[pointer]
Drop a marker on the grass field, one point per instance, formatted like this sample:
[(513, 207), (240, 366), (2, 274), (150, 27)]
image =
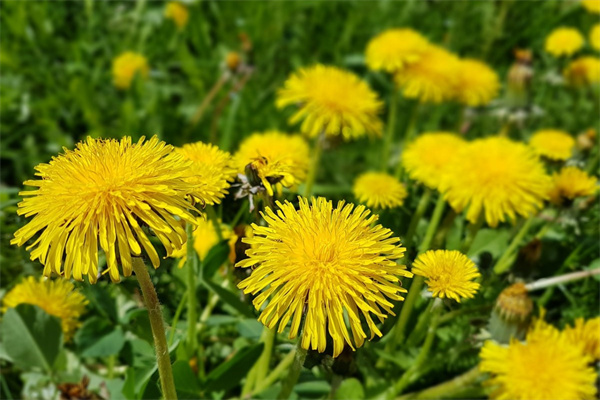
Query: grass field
[(217, 79)]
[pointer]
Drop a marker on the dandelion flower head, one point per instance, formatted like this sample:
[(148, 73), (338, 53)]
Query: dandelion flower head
[(58, 298), (126, 66), (595, 37), (546, 366), (553, 144), (392, 49), (428, 156), (478, 84), (103, 193), (583, 71), (431, 79), (211, 172), (178, 13), (564, 42), (205, 238), (278, 159), (325, 263), (586, 334), (570, 183), (331, 101), (379, 190), (497, 177), (592, 6), (449, 273)]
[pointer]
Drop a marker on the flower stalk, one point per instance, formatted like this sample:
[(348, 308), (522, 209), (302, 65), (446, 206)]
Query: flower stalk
[(293, 373), (389, 134), (191, 267), (505, 261), (158, 329), (314, 165)]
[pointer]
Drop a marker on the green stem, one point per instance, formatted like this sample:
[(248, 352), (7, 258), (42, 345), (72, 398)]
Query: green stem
[(417, 333), (178, 312), (276, 373), (111, 366), (405, 311), (414, 221), (504, 262), (293, 373), (158, 329), (440, 236), (414, 370), (472, 231), (314, 165), (389, 134), (212, 215), (262, 365), (191, 267), (449, 388), (433, 224)]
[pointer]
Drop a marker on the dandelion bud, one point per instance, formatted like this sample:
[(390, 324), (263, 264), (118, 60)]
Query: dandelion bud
[(233, 61), (511, 314)]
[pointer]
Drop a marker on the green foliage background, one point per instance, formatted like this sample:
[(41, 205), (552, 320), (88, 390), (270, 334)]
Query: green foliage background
[(56, 89)]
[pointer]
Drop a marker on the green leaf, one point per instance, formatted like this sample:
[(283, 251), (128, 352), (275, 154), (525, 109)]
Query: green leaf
[(230, 373), (250, 328), (494, 241), (102, 301), (186, 382), (229, 298), (214, 259), (31, 337), (312, 389), (350, 389), (97, 337)]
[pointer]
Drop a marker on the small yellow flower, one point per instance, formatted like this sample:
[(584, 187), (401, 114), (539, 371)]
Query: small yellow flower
[(587, 335), (553, 144), (477, 85), (546, 366), (427, 158), (178, 13), (433, 78), (233, 60), (58, 298), (564, 42), (205, 238), (379, 190), (326, 266), (570, 183), (278, 159), (497, 177), (212, 171), (332, 101), (449, 273), (391, 50), (592, 6), (102, 193), (583, 71), (595, 36), (126, 66)]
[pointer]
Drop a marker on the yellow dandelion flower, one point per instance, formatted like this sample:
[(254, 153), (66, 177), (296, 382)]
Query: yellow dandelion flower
[(570, 183), (546, 366), (583, 71), (564, 42), (585, 334), (331, 101), (553, 144), (178, 13), (391, 50), (429, 155), (212, 171), (58, 298), (592, 6), (433, 78), (497, 177), (379, 190), (126, 66), (278, 159), (103, 192), (325, 264), (449, 273), (595, 36), (205, 238), (477, 85)]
